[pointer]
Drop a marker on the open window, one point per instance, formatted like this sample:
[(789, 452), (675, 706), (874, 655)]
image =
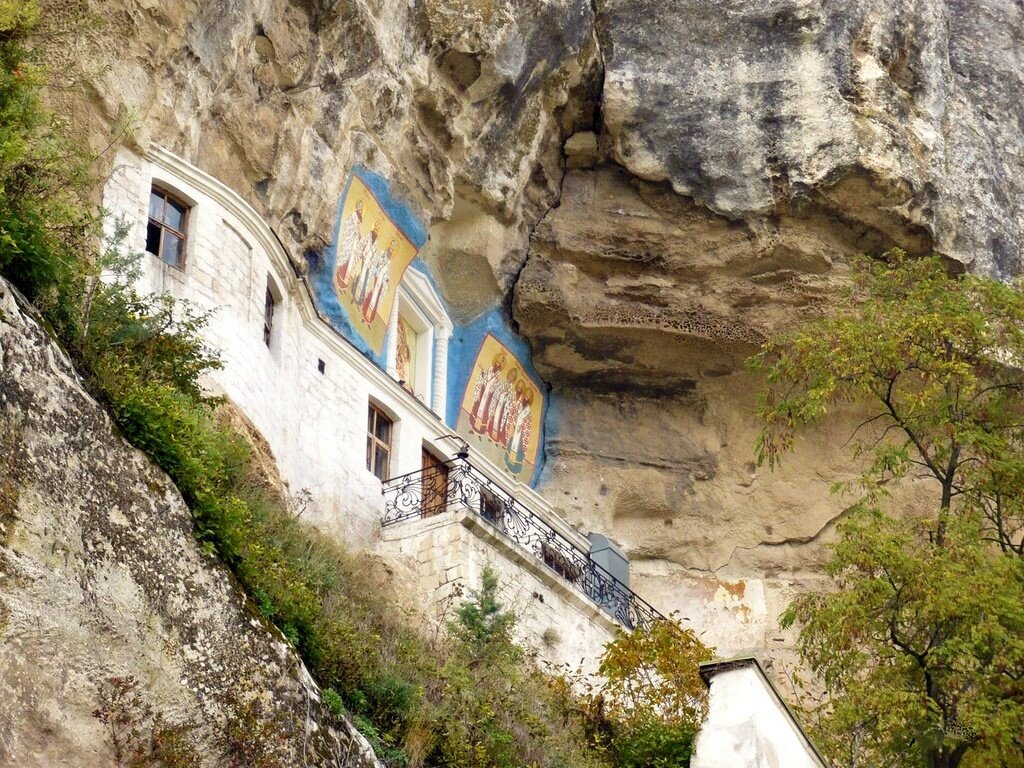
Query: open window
[(268, 316), (272, 300), (379, 432), (167, 227)]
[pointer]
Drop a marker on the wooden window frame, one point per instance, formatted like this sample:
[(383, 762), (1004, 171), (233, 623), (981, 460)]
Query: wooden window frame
[(163, 225), (373, 442), (269, 304)]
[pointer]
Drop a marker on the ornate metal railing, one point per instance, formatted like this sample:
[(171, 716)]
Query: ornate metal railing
[(458, 485)]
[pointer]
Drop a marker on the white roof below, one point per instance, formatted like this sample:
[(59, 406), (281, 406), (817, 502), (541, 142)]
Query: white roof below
[(748, 724)]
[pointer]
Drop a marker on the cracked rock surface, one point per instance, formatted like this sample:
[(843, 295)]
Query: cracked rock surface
[(100, 576)]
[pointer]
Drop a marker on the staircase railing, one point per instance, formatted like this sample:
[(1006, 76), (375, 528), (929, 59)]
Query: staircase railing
[(458, 485)]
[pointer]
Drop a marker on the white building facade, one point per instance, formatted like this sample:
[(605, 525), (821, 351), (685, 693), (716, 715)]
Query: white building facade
[(748, 723)]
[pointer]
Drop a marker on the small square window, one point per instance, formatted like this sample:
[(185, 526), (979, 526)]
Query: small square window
[(165, 230)]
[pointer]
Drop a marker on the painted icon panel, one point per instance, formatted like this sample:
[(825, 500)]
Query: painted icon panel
[(501, 410), (405, 355), (371, 256)]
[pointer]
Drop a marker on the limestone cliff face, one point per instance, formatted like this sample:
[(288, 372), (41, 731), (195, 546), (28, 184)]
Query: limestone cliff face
[(100, 576), (652, 185), (744, 150), (459, 102)]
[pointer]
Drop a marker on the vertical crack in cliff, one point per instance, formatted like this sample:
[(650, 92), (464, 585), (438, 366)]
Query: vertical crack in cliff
[(591, 88)]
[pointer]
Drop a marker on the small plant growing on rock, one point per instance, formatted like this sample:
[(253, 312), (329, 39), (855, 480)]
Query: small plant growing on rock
[(258, 736), (139, 736), (333, 702)]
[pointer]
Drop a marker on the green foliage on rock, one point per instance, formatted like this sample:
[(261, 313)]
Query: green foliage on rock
[(921, 643), (44, 227)]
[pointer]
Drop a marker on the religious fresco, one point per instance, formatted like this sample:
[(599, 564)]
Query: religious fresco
[(494, 397), (356, 279), (405, 354), (502, 409), (371, 258)]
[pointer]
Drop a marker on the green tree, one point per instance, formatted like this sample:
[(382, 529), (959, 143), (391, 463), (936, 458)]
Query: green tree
[(482, 623), (44, 226), (494, 707), (650, 701), (921, 644)]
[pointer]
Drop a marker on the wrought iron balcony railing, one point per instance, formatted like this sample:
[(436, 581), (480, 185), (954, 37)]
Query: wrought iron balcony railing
[(458, 485)]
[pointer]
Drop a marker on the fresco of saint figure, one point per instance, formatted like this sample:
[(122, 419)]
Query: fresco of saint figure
[(487, 383), (502, 409), (519, 441), (366, 266), (378, 283), (404, 362), (350, 248), (374, 245), (512, 412), (505, 392)]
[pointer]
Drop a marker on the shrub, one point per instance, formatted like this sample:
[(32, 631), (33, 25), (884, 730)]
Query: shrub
[(140, 737), (651, 701), (333, 702), (44, 227)]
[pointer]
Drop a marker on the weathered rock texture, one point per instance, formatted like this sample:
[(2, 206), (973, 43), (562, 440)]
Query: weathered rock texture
[(723, 160), (758, 107), (100, 576), (744, 150), (458, 102)]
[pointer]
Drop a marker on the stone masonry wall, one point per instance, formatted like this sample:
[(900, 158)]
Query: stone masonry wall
[(448, 554)]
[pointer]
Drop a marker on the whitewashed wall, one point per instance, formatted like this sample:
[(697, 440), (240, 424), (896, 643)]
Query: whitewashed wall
[(748, 726), (314, 422)]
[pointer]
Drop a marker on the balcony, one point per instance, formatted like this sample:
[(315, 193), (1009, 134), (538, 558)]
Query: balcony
[(458, 486)]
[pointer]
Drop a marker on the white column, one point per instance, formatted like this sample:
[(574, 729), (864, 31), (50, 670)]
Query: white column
[(440, 389), (392, 349)]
